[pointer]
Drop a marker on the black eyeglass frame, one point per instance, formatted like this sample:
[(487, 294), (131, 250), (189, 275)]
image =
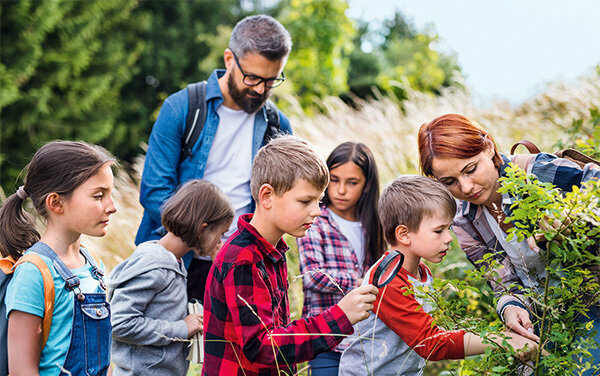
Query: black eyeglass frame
[(276, 81)]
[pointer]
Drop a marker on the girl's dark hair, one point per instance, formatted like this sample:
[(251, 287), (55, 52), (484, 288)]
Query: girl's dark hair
[(195, 203), (58, 166), (366, 208)]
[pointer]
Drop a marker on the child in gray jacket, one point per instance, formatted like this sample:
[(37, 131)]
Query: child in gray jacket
[(147, 292)]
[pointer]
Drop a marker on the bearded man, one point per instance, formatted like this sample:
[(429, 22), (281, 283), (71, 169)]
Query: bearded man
[(234, 130)]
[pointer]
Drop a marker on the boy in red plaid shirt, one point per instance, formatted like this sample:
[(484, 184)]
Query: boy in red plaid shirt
[(246, 309)]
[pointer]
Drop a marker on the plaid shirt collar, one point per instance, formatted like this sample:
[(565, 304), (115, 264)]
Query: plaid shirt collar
[(274, 253)]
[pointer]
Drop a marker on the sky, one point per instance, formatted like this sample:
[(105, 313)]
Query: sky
[(508, 49)]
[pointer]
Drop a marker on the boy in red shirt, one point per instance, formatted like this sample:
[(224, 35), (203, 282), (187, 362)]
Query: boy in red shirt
[(246, 309), (416, 213)]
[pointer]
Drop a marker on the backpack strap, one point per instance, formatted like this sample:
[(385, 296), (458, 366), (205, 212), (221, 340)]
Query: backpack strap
[(71, 280), (48, 291), (571, 154), (273, 122), (195, 119), (577, 156), (6, 264), (528, 144)]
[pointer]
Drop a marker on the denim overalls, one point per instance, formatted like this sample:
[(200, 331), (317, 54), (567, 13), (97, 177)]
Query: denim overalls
[(89, 352)]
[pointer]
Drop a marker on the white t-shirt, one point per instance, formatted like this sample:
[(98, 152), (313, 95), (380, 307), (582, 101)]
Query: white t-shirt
[(354, 233), (229, 163)]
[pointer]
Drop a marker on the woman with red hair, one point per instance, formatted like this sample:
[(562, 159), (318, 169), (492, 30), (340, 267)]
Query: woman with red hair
[(456, 151)]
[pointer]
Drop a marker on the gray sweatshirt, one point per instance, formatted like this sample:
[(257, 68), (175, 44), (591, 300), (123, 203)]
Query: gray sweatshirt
[(148, 298)]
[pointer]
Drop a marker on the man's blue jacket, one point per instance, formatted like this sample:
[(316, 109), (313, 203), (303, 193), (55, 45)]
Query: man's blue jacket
[(163, 169)]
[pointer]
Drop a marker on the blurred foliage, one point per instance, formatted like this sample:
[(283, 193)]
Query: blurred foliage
[(99, 70), (400, 57), (183, 42), (322, 35), (584, 134), (63, 64)]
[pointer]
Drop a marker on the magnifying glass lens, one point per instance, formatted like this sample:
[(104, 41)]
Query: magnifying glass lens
[(389, 272), (388, 268)]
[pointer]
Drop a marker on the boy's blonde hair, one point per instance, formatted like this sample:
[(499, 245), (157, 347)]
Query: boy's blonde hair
[(408, 199), (283, 162)]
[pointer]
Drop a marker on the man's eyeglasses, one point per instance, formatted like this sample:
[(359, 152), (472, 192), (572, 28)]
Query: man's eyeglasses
[(252, 80)]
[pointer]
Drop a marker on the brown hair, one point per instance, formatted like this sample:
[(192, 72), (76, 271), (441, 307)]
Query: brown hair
[(366, 207), (452, 136), (195, 203), (408, 199), (58, 166), (284, 161)]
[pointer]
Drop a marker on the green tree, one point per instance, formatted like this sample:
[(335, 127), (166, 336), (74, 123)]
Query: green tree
[(184, 42), (364, 67), (401, 57), (321, 33), (62, 66)]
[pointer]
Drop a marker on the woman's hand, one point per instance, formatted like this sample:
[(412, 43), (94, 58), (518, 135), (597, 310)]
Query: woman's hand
[(517, 320)]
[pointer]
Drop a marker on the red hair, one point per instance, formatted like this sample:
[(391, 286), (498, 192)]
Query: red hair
[(452, 136)]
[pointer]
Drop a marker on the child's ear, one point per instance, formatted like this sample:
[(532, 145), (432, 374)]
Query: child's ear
[(54, 203), (401, 234), (265, 196)]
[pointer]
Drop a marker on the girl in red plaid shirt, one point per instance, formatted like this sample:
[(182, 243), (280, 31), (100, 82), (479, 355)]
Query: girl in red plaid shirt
[(344, 241)]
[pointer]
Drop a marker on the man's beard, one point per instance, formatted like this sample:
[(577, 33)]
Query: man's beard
[(249, 104)]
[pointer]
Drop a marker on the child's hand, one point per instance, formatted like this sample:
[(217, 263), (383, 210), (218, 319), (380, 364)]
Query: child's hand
[(529, 347), (194, 323), (358, 302)]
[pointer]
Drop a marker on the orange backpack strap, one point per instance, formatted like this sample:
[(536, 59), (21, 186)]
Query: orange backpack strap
[(48, 291), (6, 264)]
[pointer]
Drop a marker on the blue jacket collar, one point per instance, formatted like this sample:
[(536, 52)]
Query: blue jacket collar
[(212, 85)]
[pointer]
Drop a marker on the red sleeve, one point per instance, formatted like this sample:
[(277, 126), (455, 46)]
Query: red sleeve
[(406, 317), (262, 341)]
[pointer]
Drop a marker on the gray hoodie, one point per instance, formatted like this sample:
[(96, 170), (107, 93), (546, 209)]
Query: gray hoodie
[(148, 298)]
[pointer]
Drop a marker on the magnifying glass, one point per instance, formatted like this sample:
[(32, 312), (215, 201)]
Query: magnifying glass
[(388, 268)]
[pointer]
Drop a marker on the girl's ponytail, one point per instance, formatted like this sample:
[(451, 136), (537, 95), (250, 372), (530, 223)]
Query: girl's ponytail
[(17, 228), (58, 166)]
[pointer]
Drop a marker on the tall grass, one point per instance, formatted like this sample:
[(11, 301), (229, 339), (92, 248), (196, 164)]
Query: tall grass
[(389, 128)]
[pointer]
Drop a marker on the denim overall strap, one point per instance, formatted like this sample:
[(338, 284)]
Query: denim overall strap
[(97, 273), (72, 281), (89, 352)]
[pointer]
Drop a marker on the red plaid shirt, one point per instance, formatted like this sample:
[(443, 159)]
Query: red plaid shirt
[(325, 249), (247, 328)]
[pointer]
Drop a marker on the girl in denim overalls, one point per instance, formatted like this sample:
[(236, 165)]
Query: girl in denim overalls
[(70, 184)]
